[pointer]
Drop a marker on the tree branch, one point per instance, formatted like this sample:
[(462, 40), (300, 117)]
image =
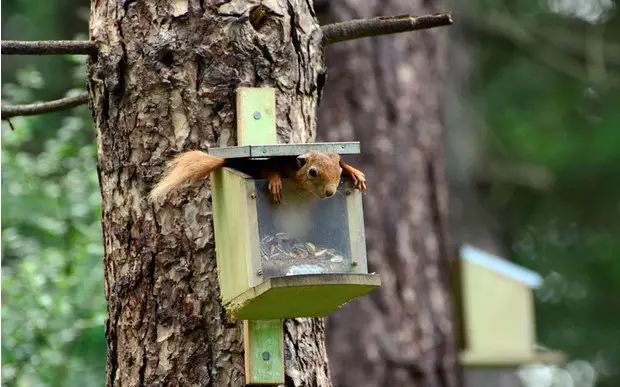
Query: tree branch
[(44, 107), (332, 33), (48, 47), (384, 25)]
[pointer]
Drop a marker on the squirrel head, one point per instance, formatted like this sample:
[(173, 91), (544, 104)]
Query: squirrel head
[(319, 173)]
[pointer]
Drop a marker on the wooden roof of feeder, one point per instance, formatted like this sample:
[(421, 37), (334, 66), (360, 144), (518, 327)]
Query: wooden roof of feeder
[(277, 150), (501, 266)]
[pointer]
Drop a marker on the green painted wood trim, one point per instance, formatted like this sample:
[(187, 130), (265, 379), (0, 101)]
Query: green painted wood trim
[(491, 360), (264, 351), (357, 236), (256, 124), (314, 295), (256, 116), (253, 258), (232, 227)]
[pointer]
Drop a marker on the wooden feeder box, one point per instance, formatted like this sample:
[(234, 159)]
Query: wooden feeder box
[(496, 318), (302, 257)]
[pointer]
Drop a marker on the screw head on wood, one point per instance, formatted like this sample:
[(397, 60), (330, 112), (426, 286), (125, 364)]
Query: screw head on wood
[(265, 355), (253, 195), (259, 272), (256, 115)]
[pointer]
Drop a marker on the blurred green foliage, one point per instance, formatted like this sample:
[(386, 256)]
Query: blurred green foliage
[(555, 106), (53, 306)]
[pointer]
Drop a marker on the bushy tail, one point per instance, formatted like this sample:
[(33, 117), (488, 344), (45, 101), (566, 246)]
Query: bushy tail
[(187, 167)]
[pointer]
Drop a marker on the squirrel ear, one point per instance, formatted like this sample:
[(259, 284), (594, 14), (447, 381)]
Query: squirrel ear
[(301, 160), (335, 156)]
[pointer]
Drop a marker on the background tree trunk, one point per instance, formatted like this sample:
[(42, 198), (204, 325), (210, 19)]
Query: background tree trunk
[(165, 82), (467, 160), (387, 93)]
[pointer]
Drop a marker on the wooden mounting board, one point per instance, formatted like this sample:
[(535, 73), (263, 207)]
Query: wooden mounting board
[(264, 352), (256, 124)]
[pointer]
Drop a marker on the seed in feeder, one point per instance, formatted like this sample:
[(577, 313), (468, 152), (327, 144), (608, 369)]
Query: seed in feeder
[(311, 248), (305, 269), (337, 258), (320, 253), (282, 236), (298, 247)]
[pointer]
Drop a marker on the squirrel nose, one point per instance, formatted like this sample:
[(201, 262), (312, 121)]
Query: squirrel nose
[(329, 192)]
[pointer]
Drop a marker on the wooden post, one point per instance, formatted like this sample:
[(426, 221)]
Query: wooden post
[(263, 340)]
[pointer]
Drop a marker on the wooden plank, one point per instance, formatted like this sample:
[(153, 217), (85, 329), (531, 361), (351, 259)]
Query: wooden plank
[(256, 116), (497, 311), (314, 295), (357, 236), (264, 349), (253, 257), (231, 228), (256, 124), (506, 358)]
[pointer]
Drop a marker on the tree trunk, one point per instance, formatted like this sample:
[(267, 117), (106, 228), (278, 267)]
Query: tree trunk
[(164, 82), (387, 92), (467, 157)]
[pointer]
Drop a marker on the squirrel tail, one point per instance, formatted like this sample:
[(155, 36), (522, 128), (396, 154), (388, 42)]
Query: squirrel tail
[(187, 167)]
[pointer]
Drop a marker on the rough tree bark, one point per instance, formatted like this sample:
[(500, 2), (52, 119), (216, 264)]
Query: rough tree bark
[(164, 82), (387, 92)]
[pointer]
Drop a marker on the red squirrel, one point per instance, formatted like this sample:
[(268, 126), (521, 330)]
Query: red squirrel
[(315, 172)]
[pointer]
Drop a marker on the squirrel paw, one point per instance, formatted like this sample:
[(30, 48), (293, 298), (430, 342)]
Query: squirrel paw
[(359, 179), (357, 176), (275, 189)]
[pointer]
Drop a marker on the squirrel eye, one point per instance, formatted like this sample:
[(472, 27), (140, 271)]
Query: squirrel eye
[(312, 172)]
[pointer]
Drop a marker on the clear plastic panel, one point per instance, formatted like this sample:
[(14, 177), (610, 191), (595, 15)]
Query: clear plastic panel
[(303, 234)]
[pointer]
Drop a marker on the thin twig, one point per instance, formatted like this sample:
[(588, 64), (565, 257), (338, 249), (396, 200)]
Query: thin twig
[(363, 28), (44, 107), (332, 33), (48, 47)]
